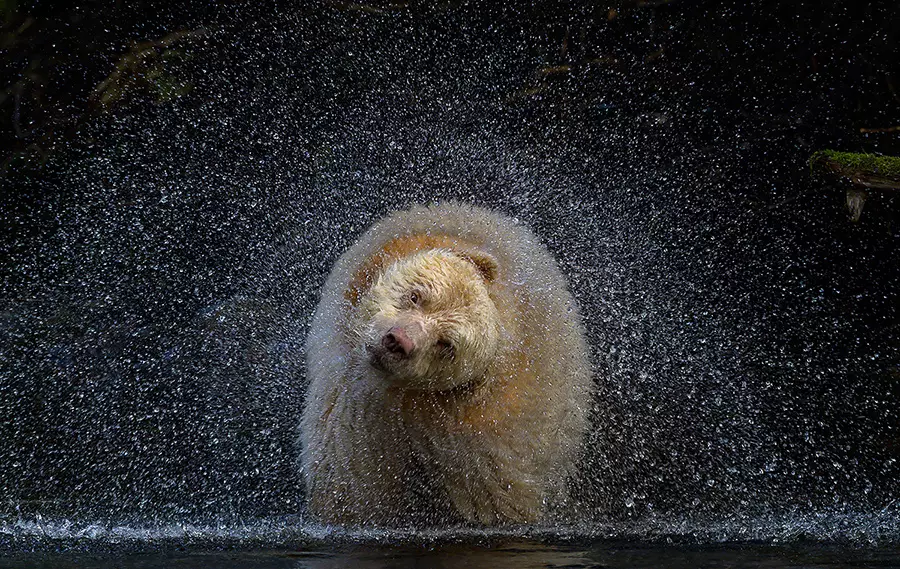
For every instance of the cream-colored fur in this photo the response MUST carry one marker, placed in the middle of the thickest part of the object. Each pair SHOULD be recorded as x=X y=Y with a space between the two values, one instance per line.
x=483 y=420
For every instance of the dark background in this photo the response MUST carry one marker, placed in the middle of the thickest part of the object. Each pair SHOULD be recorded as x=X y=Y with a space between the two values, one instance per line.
x=177 y=181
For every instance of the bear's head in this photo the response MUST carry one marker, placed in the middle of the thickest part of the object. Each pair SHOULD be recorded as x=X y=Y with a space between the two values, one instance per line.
x=428 y=321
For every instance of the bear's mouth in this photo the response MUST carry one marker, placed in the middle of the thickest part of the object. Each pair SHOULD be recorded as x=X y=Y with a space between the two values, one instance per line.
x=379 y=358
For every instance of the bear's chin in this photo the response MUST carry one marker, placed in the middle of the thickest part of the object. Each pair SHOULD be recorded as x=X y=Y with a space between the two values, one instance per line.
x=422 y=384
x=394 y=373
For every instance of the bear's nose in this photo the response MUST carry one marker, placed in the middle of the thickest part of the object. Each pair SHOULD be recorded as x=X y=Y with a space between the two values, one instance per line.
x=397 y=341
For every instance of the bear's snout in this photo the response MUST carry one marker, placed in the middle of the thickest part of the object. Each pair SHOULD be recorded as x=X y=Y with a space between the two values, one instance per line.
x=398 y=342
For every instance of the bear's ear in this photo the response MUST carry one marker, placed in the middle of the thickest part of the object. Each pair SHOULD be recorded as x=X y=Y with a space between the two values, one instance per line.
x=484 y=262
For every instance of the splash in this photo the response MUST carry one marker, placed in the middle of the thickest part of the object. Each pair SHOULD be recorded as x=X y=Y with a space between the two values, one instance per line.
x=153 y=321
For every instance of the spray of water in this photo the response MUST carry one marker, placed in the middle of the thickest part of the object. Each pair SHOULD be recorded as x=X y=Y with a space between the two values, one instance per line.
x=151 y=371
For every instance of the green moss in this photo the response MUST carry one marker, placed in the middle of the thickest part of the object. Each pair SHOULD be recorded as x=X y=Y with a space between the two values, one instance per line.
x=847 y=162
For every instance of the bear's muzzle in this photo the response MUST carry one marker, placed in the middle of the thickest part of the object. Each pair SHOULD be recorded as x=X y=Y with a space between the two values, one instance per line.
x=397 y=342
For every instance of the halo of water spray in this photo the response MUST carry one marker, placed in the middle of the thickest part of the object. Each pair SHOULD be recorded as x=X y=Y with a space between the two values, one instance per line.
x=153 y=332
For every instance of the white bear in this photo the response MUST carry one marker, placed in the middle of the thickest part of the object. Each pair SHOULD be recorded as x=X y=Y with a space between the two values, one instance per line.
x=449 y=377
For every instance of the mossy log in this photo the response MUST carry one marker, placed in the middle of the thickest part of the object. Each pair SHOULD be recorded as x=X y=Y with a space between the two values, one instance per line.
x=864 y=172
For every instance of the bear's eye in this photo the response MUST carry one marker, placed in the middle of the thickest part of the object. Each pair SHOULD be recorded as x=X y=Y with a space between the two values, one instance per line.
x=446 y=349
x=414 y=298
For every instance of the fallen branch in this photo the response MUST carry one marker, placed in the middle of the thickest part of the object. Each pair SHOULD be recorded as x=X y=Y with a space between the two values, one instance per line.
x=864 y=172
x=865 y=130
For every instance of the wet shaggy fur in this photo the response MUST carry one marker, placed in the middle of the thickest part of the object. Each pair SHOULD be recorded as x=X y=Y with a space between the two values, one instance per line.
x=449 y=378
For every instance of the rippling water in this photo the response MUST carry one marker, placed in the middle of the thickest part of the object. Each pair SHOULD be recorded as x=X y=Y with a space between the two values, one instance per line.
x=462 y=550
